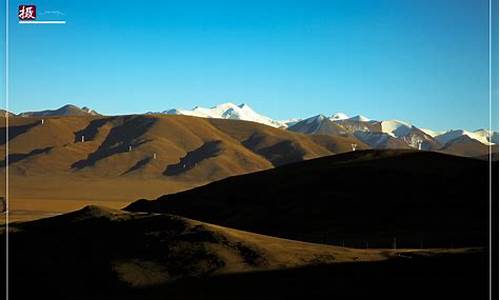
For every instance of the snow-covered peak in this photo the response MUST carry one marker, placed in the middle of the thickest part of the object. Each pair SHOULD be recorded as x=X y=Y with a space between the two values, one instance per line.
x=339 y=116
x=315 y=119
x=360 y=118
x=431 y=133
x=395 y=128
x=228 y=111
x=291 y=122
x=451 y=135
x=488 y=135
x=484 y=136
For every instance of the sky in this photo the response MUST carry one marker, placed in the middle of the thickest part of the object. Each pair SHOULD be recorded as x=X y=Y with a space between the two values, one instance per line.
x=423 y=61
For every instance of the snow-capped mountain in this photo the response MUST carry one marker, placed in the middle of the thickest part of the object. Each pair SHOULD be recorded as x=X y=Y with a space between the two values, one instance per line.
x=360 y=118
x=368 y=132
x=484 y=136
x=290 y=122
x=227 y=111
x=342 y=116
x=339 y=116
x=380 y=140
x=395 y=128
x=431 y=133
x=488 y=135
x=319 y=124
x=376 y=133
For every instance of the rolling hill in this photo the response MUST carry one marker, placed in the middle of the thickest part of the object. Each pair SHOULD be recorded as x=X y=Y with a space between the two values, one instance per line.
x=150 y=145
x=373 y=196
x=84 y=159
x=112 y=160
x=100 y=253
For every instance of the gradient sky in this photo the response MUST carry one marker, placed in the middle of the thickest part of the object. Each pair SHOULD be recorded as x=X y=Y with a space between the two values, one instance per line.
x=422 y=61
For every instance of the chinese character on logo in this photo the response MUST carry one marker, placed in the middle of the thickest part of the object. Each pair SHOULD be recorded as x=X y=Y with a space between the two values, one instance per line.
x=27 y=12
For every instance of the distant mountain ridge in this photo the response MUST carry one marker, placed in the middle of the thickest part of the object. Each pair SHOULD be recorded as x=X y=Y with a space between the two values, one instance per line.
x=66 y=110
x=378 y=134
x=358 y=125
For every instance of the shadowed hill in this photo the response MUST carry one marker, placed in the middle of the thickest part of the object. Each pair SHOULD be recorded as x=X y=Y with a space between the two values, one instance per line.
x=100 y=253
x=417 y=198
x=115 y=250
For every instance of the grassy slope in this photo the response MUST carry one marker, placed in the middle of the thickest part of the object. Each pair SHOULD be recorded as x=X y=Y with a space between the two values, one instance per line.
x=49 y=163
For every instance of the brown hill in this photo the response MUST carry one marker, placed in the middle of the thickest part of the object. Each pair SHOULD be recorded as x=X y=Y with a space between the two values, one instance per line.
x=99 y=253
x=122 y=158
x=125 y=145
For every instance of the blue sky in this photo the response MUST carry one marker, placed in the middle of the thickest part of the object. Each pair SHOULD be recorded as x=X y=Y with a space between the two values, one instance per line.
x=421 y=61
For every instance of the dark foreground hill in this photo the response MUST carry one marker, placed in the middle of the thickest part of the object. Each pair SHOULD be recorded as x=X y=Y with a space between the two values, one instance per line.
x=361 y=199
x=98 y=253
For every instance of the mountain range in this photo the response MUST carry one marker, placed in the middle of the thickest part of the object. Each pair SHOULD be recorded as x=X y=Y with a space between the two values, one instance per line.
x=378 y=134
x=299 y=187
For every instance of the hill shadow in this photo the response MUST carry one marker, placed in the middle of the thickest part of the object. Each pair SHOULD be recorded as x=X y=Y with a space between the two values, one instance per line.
x=140 y=164
x=281 y=153
x=119 y=139
x=192 y=158
x=14 y=131
x=91 y=130
x=15 y=157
